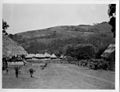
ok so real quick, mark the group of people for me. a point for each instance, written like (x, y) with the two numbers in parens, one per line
(17, 70)
(31, 70)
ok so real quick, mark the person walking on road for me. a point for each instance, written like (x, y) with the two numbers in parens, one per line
(7, 70)
(16, 72)
(31, 71)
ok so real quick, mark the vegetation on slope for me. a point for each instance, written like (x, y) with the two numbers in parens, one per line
(56, 38)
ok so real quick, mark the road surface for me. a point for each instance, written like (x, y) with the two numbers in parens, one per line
(60, 76)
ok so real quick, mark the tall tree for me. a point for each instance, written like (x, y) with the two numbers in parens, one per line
(111, 13)
(4, 26)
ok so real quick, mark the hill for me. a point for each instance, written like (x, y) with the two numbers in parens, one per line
(56, 38)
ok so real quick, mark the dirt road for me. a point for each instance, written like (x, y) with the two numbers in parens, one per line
(59, 76)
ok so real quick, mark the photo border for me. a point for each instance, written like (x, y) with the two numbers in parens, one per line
(67, 2)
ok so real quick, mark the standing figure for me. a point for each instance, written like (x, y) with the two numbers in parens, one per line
(31, 72)
(7, 70)
(16, 71)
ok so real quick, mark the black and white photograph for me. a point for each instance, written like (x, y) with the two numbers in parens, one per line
(59, 46)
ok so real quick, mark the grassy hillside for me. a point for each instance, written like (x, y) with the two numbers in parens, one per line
(55, 38)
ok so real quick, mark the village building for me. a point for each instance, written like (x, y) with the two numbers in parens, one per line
(11, 48)
(109, 54)
(53, 56)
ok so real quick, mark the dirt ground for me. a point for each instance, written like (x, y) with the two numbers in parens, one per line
(59, 76)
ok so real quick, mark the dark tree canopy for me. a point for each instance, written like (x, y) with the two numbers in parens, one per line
(112, 22)
(112, 9)
(111, 13)
(81, 51)
(4, 26)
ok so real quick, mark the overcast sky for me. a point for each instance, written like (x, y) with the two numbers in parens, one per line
(25, 17)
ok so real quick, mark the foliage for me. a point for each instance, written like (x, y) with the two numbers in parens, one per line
(4, 27)
(98, 64)
(111, 13)
(81, 51)
(40, 40)
(112, 9)
(58, 53)
(11, 36)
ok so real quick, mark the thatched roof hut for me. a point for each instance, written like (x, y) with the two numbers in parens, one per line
(53, 56)
(107, 53)
(11, 48)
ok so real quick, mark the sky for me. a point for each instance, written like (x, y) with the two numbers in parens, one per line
(26, 17)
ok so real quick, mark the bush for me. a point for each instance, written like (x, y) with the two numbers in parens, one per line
(58, 53)
(81, 51)
(68, 50)
(83, 63)
(98, 64)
